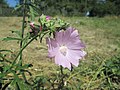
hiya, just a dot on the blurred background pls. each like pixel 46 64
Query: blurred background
pixel 91 8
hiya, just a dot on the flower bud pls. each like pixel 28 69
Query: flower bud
pixel 32 24
pixel 48 18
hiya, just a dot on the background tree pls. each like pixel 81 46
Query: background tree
pixel 3 3
pixel 98 8
pixel 5 9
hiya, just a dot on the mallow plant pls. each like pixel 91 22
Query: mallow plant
pixel 63 42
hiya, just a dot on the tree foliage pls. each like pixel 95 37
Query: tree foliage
pixel 3 3
pixel 79 7
pixel 75 7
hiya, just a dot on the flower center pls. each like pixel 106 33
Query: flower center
pixel 63 50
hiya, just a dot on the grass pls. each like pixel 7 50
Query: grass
pixel 100 35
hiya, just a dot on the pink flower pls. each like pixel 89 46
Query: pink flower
pixel 66 48
pixel 48 18
pixel 30 30
pixel 32 24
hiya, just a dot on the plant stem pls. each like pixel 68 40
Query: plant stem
pixel 61 83
pixel 17 86
pixel 23 49
pixel 61 69
pixel 22 33
pixel 22 36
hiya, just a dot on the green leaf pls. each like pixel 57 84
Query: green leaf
pixel 17 8
pixel 11 38
pixel 2 56
pixel 32 13
pixel 5 51
pixel 6 68
pixel 20 82
pixel 2 75
pixel 23 67
pixel 16 32
pixel 23 86
pixel 26 39
pixel 36 9
pixel 43 19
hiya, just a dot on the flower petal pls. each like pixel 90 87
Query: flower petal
pixel 76 54
pixel 73 61
pixel 72 40
pixel 67 34
pixel 75 44
pixel 62 60
pixel 52 47
pixel 59 37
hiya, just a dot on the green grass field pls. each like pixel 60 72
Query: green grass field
pixel 101 37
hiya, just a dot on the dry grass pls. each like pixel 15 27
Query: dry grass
pixel 96 33
pixel 101 36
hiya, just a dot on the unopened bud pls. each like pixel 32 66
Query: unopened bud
pixel 32 24
pixel 48 18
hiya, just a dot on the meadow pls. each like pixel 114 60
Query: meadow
pixel 97 71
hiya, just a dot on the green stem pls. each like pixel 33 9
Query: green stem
pixel 22 36
pixel 61 83
pixel 20 53
pixel 23 49
pixel 17 86
pixel 22 33
pixel 62 74
pixel 61 69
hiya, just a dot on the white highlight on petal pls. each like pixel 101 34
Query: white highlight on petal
pixel 63 50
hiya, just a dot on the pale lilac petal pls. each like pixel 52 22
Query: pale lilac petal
pixel 69 39
pixel 70 29
pixel 62 60
pixel 74 56
pixel 83 53
pixel 74 33
pixel 52 47
pixel 75 44
pixel 67 34
pixel 73 61
pixel 59 37
pixel 77 54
